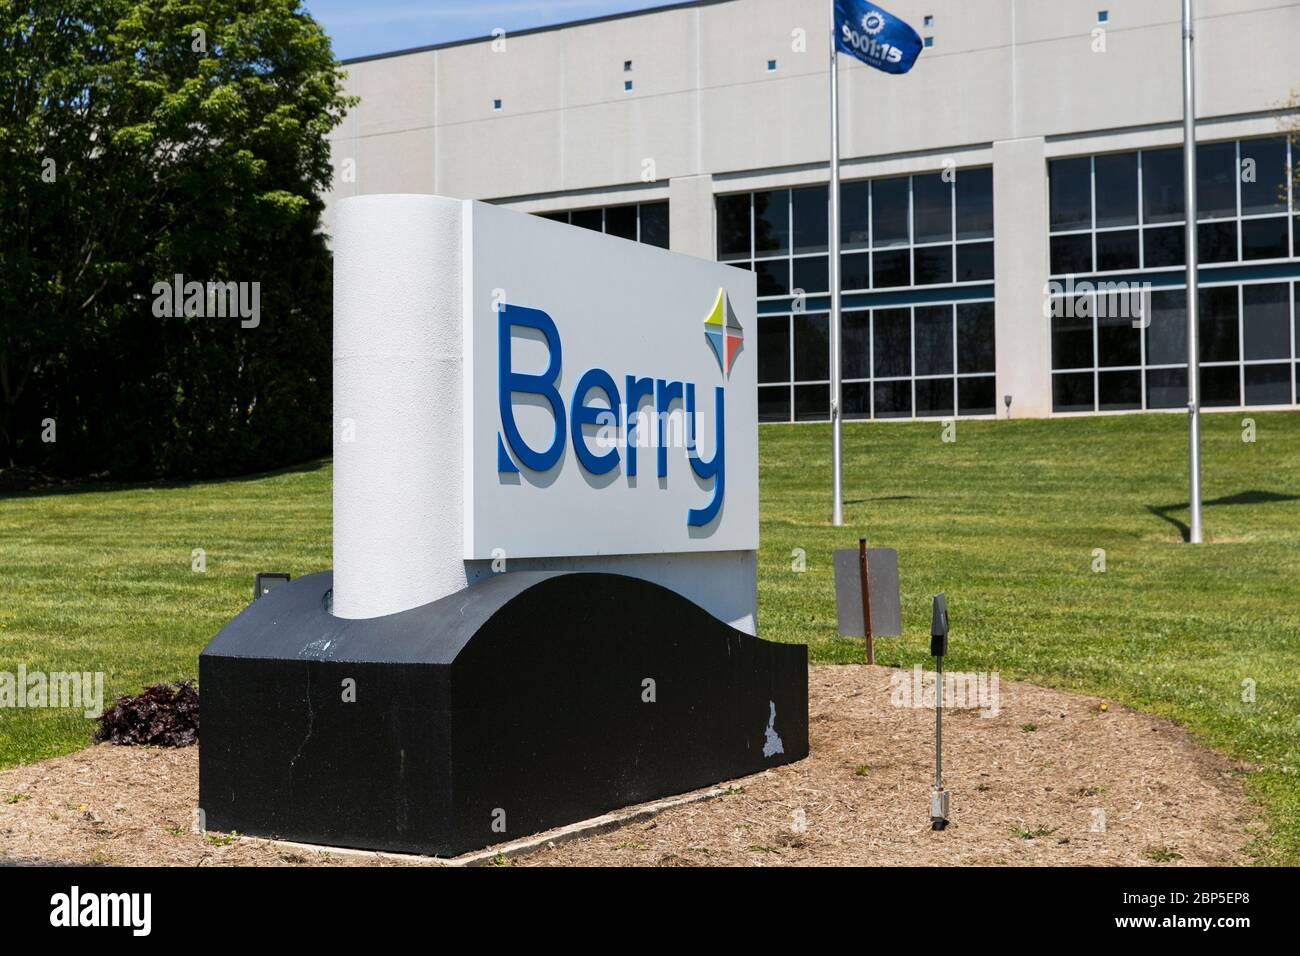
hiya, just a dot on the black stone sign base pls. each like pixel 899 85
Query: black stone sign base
pixel 525 702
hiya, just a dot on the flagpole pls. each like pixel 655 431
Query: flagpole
pixel 1193 357
pixel 837 513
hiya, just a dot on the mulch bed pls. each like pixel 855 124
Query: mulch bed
pixel 1085 786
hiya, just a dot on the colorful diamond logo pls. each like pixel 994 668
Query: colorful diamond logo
pixel 723 330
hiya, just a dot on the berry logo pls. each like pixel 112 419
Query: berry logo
pixel 724 333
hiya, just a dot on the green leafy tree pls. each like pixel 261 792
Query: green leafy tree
pixel 141 139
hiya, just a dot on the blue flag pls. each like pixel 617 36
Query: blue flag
pixel 875 37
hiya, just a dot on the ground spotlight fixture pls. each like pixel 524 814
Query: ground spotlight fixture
pixel 1006 400
pixel 263 582
pixel 938 648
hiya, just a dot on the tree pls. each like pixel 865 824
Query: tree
pixel 140 140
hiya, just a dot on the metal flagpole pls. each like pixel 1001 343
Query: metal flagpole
pixel 837 512
pixel 1193 357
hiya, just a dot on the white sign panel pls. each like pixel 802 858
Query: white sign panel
pixel 610 393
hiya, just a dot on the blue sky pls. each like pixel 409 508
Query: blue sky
pixel 360 28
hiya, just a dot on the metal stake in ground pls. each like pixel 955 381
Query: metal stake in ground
pixel 865 573
pixel 938 648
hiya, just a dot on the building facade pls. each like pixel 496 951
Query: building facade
pixel 1011 211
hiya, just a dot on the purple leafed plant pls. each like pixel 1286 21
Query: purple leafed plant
pixel 164 715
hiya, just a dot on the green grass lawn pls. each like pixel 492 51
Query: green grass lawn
pixel 1005 520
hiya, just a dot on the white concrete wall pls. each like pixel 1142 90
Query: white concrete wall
pixel 1002 76
pixel 704 102
pixel 690 216
pixel 1020 262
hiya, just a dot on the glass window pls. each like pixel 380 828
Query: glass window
pixel 1245 335
pixel 779 236
pixel 812 274
pixel 931 209
pixel 810 212
pixel 1072 334
pixel 1167 331
pixel 812 348
pixel 1162 185
pixel 975 395
pixel 974 261
pixel 1117 251
pixel 856 398
pixel 893 399
pixel 1216 180
pixel 892 343
pixel 774 403
pixel 933 342
pixel 1264 238
pixel 855 271
pixel 654 224
pixel 932 265
pixel 1118 342
pixel 1217 241
pixel 1166 246
pixel 588 218
pixel 773 348
pixel 855 345
pixel 891 267
pixel 1263 176
pixel 773 276
pixel 912 361
pixel 812 403
pixel 934 396
pixel 1268 384
pixel 889 211
pixel 1071 254
pixel 621 221
pixel 733 227
pixel 1217 325
pixel 1070 193
pixel 1117 190
pixel 1072 392
pixel 855 218
pixel 975 337
pixel 1167 388
pixel 771 222
pixel 1266 321
pixel 1221 385
pixel 975 203
pixel 1117 391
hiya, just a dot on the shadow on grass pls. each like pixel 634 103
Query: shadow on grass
pixel 1165 512
pixel 42 488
